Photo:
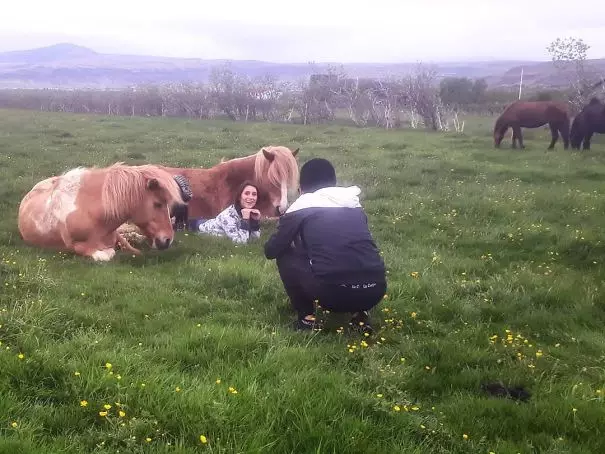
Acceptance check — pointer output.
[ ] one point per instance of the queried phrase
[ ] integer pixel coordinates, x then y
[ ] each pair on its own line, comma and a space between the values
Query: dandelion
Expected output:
203, 439
83, 403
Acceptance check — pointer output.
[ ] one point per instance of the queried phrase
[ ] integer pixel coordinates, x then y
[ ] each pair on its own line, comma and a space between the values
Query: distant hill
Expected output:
70, 66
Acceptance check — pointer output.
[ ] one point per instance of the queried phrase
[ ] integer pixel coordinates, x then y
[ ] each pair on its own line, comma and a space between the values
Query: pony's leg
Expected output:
98, 255
514, 138
125, 245
554, 132
517, 133
586, 145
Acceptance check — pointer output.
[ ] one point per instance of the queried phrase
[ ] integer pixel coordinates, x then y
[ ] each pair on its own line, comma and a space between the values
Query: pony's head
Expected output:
145, 195
276, 172
499, 131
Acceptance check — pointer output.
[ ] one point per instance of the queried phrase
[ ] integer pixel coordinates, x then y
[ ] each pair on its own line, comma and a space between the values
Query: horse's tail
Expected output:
575, 134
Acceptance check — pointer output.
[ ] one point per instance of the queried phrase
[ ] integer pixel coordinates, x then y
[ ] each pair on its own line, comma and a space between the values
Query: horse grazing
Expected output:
274, 169
81, 209
533, 114
591, 119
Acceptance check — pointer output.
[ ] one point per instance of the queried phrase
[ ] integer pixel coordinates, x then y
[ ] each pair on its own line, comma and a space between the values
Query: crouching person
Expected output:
324, 250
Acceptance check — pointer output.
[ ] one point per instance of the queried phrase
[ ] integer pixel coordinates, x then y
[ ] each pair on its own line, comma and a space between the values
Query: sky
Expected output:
307, 30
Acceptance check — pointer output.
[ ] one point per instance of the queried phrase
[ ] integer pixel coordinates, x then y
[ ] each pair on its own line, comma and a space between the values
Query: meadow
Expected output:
496, 274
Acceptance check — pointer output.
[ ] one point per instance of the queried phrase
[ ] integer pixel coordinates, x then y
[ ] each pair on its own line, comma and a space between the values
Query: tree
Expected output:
569, 57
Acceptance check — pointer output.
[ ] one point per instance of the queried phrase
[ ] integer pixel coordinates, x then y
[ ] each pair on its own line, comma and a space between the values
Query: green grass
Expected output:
500, 240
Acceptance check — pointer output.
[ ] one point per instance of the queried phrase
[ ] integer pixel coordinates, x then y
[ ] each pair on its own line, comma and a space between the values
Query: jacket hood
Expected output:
331, 197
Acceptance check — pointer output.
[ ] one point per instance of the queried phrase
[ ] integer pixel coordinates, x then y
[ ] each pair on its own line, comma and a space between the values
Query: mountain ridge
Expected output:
67, 65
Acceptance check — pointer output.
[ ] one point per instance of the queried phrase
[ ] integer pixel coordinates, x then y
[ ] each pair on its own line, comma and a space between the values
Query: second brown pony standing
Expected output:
533, 114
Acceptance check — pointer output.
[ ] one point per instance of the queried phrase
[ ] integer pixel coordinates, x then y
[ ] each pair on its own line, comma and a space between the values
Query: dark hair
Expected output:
238, 195
316, 174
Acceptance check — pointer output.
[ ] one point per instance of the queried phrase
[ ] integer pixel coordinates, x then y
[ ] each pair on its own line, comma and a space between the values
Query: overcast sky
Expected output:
306, 30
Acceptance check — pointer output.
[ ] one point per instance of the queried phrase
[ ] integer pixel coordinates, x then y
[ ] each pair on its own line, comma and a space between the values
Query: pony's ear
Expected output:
268, 155
295, 152
153, 184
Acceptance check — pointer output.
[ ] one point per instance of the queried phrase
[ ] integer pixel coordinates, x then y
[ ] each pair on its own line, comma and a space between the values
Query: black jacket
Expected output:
330, 228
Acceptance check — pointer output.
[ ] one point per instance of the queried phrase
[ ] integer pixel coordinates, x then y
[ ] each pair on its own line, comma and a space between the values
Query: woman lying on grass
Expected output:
240, 221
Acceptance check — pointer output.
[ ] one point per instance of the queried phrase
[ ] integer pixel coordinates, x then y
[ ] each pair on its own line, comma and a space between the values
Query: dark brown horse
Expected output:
533, 114
591, 119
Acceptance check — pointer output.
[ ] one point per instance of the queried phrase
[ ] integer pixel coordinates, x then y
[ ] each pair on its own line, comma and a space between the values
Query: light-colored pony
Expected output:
81, 209
273, 169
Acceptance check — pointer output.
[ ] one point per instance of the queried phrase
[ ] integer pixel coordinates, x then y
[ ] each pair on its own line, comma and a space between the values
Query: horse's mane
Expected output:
282, 167
124, 188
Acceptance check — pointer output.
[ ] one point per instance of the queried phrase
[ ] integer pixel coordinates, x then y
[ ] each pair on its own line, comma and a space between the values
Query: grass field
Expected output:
496, 273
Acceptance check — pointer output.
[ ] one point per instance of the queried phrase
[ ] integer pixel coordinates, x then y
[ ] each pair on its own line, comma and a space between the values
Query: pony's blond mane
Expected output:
125, 187
283, 167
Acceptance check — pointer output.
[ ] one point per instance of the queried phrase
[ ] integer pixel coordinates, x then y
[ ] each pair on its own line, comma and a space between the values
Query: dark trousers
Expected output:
304, 288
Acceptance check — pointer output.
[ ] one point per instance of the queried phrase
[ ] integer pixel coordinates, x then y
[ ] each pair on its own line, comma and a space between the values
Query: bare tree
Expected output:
569, 58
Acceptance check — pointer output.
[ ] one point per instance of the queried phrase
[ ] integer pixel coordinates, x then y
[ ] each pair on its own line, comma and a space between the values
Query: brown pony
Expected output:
533, 114
273, 169
81, 209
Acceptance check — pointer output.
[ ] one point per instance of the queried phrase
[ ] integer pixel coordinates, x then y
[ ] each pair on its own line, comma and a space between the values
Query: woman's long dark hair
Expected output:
238, 195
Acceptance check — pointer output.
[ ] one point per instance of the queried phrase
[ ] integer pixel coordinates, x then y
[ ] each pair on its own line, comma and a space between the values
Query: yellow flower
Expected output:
379, 395
77, 374
106, 406
413, 315
20, 356
232, 390
102, 414
83, 403
203, 439
147, 439
218, 381
415, 274
177, 389
415, 408
538, 353
465, 436
396, 408
14, 424
121, 413
108, 366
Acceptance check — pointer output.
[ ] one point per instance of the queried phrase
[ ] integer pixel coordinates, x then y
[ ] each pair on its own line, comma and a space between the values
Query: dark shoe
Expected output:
361, 322
302, 324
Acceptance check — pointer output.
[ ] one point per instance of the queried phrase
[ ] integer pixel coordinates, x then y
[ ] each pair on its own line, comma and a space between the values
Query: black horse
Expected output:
590, 120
